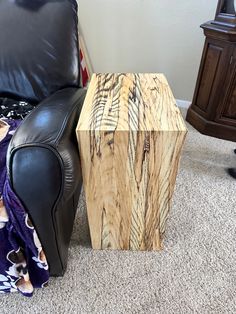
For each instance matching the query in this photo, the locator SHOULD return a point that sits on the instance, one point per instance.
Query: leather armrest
(51, 125)
(44, 168)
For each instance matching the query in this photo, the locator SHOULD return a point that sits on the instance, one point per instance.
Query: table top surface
(128, 101)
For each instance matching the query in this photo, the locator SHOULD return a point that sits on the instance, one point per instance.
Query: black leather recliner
(39, 63)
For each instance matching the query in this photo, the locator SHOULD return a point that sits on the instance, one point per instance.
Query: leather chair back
(39, 51)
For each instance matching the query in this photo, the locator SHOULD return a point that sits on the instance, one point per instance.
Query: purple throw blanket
(23, 264)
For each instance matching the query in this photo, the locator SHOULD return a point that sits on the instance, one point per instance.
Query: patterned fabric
(13, 109)
(23, 264)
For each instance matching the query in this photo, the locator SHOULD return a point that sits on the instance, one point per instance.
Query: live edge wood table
(130, 136)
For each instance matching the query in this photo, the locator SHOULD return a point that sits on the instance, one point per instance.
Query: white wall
(147, 36)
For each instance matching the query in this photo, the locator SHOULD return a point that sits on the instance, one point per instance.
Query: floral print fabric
(23, 265)
(14, 109)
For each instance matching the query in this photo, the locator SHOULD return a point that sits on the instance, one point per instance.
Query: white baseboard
(183, 103)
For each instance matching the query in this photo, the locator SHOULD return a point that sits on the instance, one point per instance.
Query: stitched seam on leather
(63, 124)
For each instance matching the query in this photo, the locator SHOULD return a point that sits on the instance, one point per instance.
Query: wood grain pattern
(130, 135)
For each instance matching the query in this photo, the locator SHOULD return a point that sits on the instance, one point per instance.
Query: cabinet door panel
(230, 110)
(208, 75)
(226, 113)
(215, 61)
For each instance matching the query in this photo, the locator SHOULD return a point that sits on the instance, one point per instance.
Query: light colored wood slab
(130, 136)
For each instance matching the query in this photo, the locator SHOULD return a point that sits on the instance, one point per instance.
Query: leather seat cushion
(39, 48)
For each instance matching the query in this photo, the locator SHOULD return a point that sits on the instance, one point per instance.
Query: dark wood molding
(225, 14)
(219, 31)
(211, 128)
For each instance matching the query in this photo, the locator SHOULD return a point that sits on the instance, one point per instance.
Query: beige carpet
(195, 273)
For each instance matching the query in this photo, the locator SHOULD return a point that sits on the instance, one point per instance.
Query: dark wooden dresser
(213, 110)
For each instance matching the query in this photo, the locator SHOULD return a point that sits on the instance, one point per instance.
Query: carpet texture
(196, 271)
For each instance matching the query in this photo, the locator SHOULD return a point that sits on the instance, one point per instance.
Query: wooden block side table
(130, 136)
